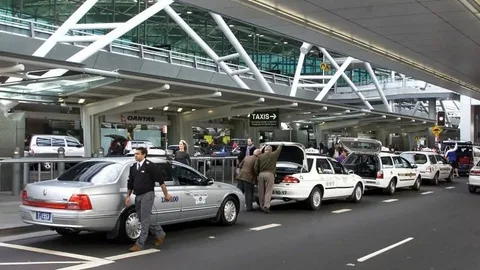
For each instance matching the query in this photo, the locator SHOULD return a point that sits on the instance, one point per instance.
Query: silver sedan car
(90, 197)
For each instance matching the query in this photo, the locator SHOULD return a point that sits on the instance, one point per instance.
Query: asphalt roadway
(434, 228)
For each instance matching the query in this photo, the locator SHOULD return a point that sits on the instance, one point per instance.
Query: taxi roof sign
(436, 130)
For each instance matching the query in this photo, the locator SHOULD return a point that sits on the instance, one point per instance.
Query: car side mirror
(351, 172)
(414, 166)
(209, 181)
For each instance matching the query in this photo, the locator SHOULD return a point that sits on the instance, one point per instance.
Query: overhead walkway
(34, 33)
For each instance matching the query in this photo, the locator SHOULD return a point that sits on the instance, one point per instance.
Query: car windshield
(97, 172)
(418, 159)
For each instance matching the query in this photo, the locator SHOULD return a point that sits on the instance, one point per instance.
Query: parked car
(474, 178)
(431, 165)
(151, 148)
(312, 178)
(46, 146)
(90, 197)
(381, 170)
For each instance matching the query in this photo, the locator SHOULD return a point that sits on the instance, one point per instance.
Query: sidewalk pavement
(10, 222)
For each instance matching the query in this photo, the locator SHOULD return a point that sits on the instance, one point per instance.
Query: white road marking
(52, 252)
(269, 226)
(26, 236)
(426, 192)
(211, 237)
(132, 254)
(350, 264)
(341, 211)
(376, 253)
(39, 263)
(449, 187)
(88, 265)
(390, 200)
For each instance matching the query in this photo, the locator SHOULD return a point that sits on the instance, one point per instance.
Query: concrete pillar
(382, 137)
(432, 114)
(320, 135)
(86, 122)
(12, 132)
(466, 121)
(178, 130)
(239, 128)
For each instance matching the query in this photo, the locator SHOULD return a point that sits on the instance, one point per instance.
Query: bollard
(100, 152)
(16, 173)
(61, 164)
(26, 173)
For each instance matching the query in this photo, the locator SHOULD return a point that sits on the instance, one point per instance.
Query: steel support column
(243, 54)
(334, 79)
(118, 31)
(377, 85)
(347, 79)
(306, 47)
(417, 105)
(197, 39)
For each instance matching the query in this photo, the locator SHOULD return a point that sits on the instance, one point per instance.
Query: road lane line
(341, 211)
(449, 187)
(131, 254)
(390, 200)
(53, 252)
(269, 226)
(39, 263)
(426, 192)
(376, 253)
(87, 265)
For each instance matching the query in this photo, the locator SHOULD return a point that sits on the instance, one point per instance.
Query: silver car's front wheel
(133, 226)
(228, 212)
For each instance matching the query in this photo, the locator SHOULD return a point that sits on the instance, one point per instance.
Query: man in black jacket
(141, 181)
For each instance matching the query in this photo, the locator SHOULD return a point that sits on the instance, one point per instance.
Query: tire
(435, 179)
(228, 213)
(472, 189)
(392, 187)
(314, 201)
(450, 177)
(129, 226)
(357, 194)
(67, 232)
(417, 184)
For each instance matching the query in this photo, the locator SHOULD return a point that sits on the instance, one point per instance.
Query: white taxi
(386, 171)
(313, 178)
(474, 178)
(431, 165)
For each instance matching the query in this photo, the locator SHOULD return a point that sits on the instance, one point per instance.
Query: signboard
(265, 119)
(436, 130)
(325, 67)
(139, 119)
(417, 139)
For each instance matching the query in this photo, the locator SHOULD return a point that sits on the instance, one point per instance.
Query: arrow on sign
(274, 116)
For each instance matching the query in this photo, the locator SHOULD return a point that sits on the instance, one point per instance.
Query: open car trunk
(364, 165)
(292, 160)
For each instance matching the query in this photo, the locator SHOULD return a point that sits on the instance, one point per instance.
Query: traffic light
(441, 119)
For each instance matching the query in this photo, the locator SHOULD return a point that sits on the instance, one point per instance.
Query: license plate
(43, 216)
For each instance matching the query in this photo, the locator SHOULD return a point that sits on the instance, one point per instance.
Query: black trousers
(248, 189)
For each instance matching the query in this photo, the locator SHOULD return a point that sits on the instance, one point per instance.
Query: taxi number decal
(174, 199)
(278, 192)
(330, 183)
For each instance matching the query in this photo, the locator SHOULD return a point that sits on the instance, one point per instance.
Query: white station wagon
(313, 178)
(90, 197)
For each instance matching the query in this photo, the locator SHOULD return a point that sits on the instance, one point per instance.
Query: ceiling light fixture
(189, 12)
(179, 109)
(150, 108)
(81, 101)
(165, 108)
(231, 25)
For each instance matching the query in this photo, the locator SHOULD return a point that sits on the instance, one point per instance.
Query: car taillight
(475, 172)
(79, 202)
(24, 197)
(379, 175)
(429, 169)
(290, 179)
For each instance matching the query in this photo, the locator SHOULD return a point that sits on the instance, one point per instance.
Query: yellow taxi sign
(436, 130)
(325, 67)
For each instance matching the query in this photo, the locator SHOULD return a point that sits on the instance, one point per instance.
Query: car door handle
(188, 193)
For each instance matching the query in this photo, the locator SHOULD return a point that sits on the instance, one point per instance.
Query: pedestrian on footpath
(247, 177)
(141, 181)
(182, 155)
(265, 167)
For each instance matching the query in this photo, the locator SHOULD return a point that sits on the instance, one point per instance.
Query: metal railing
(40, 30)
(25, 170)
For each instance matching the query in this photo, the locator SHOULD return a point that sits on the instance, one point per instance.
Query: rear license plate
(43, 216)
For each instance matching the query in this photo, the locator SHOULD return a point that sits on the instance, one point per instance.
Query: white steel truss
(99, 42)
(340, 71)
(221, 60)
